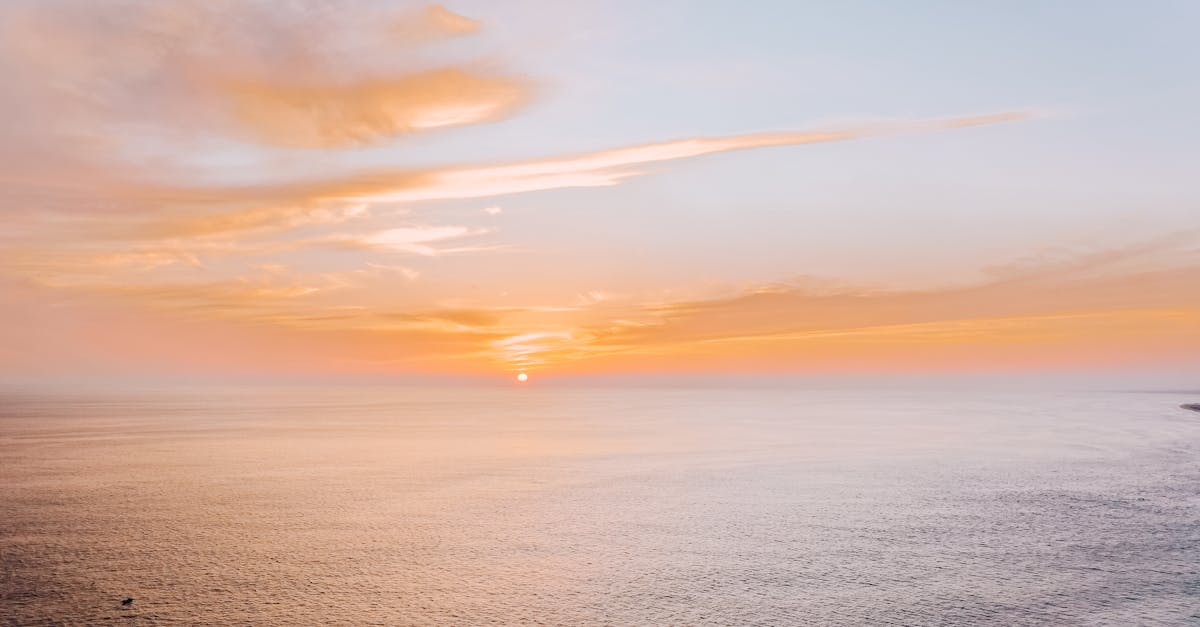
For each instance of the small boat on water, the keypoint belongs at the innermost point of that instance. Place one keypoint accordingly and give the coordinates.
(1191, 406)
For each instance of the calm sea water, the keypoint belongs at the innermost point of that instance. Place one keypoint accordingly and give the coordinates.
(600, 506)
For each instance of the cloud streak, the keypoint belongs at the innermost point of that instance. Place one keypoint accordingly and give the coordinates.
(609, 167)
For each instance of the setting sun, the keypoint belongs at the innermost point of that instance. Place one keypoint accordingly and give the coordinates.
(522, 377)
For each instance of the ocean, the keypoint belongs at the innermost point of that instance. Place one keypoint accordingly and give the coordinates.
(759, 505)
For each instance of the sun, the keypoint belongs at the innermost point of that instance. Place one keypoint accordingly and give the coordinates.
(522, 377)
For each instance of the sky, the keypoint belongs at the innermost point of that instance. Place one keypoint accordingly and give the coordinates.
(597, 188)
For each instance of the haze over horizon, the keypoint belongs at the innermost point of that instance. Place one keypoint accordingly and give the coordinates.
(200, 189)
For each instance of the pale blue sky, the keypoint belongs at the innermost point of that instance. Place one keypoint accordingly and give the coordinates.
(1107, 160)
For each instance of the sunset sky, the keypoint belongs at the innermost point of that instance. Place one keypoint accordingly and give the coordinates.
(485, 188)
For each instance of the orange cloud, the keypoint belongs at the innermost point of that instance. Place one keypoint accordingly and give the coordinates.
(333, 114)
(1040, 317)
(1045, 313)
(166, 76)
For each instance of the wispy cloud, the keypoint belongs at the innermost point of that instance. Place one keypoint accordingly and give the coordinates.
(404, 271)
(593, 169)
(414, 239)
(609, 167)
